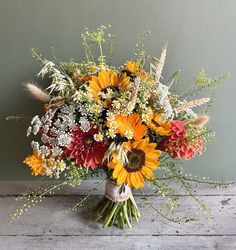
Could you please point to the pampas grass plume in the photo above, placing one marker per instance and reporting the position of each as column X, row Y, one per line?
column 200, row 121
column 36, row 92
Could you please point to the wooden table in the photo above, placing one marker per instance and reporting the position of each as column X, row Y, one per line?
column 46, row 226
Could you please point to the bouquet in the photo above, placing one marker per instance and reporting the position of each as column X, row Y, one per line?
column 121, row 123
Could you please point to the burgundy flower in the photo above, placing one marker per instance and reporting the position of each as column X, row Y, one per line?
column 84, row 149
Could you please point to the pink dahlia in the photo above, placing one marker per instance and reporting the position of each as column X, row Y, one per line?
column 178, row 145
column 84, row 149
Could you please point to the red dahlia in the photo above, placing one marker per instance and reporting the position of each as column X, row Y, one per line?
column 84, row 149
column 178, row 145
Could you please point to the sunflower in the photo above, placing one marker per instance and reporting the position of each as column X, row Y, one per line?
column 158, row 126
column 135, row 68
column 35, row 162
column 129, row 126
column 107, row 79
column 142, row 161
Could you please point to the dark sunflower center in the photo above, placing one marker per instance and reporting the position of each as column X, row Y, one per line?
column 136, row 160
column 88, row 140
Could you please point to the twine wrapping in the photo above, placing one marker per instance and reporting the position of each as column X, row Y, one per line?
column 112, row 192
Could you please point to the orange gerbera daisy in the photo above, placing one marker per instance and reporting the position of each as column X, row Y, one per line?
column 129, row 126
column 158, row 126
column 35, row 162
column 142, row 161
column 107, row 79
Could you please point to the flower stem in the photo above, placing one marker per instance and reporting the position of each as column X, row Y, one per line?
column 119, row 214
column 108, row 219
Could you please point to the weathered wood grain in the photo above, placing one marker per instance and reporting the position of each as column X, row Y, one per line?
column 46, row 226
column 118, row 242
column 49, row 218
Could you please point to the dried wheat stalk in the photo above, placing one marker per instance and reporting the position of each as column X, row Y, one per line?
column 191, row 104
column 135, row 90
column 156, row 66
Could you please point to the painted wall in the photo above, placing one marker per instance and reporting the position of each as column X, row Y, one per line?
column 198, row 32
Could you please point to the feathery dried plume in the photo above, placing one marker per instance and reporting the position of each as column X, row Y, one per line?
column 200, row 121
column 157, row 66
column 37, row 92
column 188, row 105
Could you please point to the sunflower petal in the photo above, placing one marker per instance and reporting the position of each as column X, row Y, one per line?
column 148, row 173
column 134, row 180
column 117, row 170
column 122, row 177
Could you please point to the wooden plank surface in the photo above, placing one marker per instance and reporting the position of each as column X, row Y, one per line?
column 47, row 226
column 49, row 218
column 118, row 242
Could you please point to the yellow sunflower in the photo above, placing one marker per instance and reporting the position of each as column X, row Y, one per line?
column 135, row 68
column 142, row 161
column 35, row 162
column 129, row 126
column 107, row 79
column 158, row 126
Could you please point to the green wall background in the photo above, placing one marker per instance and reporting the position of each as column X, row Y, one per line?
column 198, row 32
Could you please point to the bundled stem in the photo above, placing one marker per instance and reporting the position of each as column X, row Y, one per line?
column 119, row 214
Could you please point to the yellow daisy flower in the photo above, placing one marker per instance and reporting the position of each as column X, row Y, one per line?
column 107, row 79
column 142, row 161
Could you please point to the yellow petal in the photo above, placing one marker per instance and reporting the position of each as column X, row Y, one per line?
column 117, row 170
column 141, row 179
column 122, row 177
column 151, row 163
column 128, row 180
column 148, row 173
column 134, row 180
